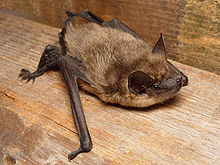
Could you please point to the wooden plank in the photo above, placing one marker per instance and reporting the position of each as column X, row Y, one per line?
column 36, row 125
column 199, row 35
column 191, row 28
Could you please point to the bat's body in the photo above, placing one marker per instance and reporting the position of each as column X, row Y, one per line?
column 109, row 56
column 112, row 62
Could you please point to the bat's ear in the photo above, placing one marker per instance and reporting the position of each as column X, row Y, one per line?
column 138, row 81
column 159, row 47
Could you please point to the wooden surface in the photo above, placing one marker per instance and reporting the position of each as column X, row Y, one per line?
column 191, row 27
column 36, row 125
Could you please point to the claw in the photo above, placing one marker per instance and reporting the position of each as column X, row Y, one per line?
column 26, row 75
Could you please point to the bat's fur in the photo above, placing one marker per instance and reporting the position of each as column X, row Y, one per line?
column 110, row 56
column 111, row 61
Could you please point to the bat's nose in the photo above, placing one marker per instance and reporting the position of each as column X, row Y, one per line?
column 184, row 80
column 170, row 84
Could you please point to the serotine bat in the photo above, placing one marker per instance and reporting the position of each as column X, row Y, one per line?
column 110, row 60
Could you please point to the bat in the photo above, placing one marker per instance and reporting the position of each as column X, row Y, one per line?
column 110, row 60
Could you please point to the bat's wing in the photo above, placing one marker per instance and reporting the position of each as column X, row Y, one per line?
column 71, row 68
column 86, row 14
column 115, row 23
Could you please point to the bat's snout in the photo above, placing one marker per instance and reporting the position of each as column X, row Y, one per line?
column 184, row 80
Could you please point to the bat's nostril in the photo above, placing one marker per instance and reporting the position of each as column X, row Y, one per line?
column 179, row 81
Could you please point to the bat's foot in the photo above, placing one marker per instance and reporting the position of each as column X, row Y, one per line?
column 26, row 75
column 86, row 147
column 73, row 154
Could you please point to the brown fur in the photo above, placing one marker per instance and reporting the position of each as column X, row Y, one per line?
column 110, row 56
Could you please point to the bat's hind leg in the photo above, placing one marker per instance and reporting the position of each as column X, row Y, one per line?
column 47, row 62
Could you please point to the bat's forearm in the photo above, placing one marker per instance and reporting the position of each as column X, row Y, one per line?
column 77, row 110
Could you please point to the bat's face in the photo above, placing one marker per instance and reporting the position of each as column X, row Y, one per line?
column 157, row 84
column 148, row 90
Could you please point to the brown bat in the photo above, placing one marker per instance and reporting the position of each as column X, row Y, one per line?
column 110, row 60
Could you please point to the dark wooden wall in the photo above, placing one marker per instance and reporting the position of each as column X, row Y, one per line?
column 191, row 28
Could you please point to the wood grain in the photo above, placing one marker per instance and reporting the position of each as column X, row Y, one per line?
column 191, row 28
column 36, row 125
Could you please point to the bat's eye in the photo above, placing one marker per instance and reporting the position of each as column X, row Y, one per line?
column 138, row 81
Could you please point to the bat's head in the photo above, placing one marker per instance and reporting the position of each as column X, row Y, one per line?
column 150, row 80
column 161, row 82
